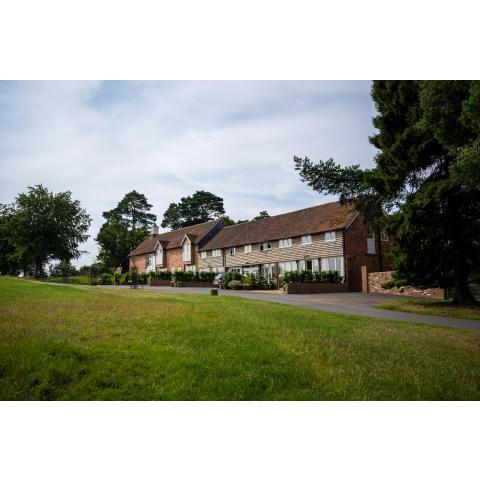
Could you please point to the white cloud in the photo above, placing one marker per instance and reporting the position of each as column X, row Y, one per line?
column 168, row 139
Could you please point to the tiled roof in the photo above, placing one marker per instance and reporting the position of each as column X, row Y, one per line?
column 174, row 238
column 321, row 218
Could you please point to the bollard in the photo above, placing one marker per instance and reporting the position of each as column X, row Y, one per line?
column 214, row 292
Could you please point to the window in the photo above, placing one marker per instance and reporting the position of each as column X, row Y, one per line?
column 150, row 262
column 231, row 251
column 216, row 253
column 330, row 236
column 247, row 249
column 286, row 242
column 159, row 256
column 371, row 243
column 287, row 267
column 332, row 263
column 315, row 265
column 237, row 270
column 265, row 246
column 306, row 240
column 203, row 255
column 190, row 268
column 384, row 236
column 187, row 252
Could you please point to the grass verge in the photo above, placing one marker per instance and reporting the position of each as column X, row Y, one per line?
column 443, row 308
column 86, row 343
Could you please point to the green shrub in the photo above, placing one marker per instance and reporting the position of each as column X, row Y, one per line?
column 163, row 275
column 235, row 284
column 207, row 277
column 388, row 285
column 306, row 276
column 183, row 276
column 105, row 279
column 248, row 280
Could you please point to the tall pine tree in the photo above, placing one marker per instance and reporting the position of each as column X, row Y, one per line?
column 426, row 175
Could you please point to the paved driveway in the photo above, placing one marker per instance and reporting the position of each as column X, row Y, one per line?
column 352, row 303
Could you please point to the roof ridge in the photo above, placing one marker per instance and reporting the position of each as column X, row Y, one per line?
column 280, row 214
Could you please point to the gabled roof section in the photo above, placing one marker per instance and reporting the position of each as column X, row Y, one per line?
column 174, row 238
column 321, row 218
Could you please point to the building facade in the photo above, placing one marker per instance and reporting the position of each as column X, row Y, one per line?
column 175, row 250
column 325, row 237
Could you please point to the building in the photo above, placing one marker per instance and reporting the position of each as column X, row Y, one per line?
column 175, row 250
column 325, row 237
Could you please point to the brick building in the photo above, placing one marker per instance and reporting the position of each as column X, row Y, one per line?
column 325, row 237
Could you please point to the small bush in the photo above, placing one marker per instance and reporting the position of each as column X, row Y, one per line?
column 388, row 285
column 235, row 284
column 105, row 279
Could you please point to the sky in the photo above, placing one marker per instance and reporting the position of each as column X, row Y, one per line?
column 168, row 139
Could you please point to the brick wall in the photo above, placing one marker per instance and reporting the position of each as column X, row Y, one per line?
column 174, row 258
column 299, row 288
column 376, row 279
column 356, row 254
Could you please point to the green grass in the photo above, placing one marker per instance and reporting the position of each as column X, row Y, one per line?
column 76, row 280
column 443, row 308
column 73, row 342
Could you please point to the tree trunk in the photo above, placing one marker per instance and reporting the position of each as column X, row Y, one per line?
column 462, row 291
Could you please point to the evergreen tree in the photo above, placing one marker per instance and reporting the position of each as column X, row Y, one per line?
column 126, row 226
column 197, row 208
column 426, row 174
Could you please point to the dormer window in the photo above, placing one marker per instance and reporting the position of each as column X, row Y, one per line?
column 187, row 251
column 159, row 256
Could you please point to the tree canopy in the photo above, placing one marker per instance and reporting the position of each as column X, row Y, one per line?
column 262, row 214
column 126, row 226
column 426, row 176
column 40, row 226
column 198, row 208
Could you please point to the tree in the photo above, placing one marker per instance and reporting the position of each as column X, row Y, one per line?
column 262, row 214
column 8, row 263
column 126, row 226
column 61, row 269
column 228, row 221
column 133, row 210
column 426, row 175
column 43, row 226
column 198, row 208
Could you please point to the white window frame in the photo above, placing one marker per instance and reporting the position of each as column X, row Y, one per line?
column 247, row 249
column 159, row 256
column 384, row 236
column 337, row 262
column 187, row 252
column 330, row 236
column 371, row 244
column 203, row 255
column 285, row 243
column 217, row 253
column 306, row 240
column 232, row 251
column 263, row 249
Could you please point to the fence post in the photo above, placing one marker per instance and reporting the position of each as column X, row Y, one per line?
column 365, row 279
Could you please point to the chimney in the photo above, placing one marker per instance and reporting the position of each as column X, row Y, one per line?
column 154, row 230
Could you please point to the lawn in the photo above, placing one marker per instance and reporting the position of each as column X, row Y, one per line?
column 75, row 342
column 443, row 308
